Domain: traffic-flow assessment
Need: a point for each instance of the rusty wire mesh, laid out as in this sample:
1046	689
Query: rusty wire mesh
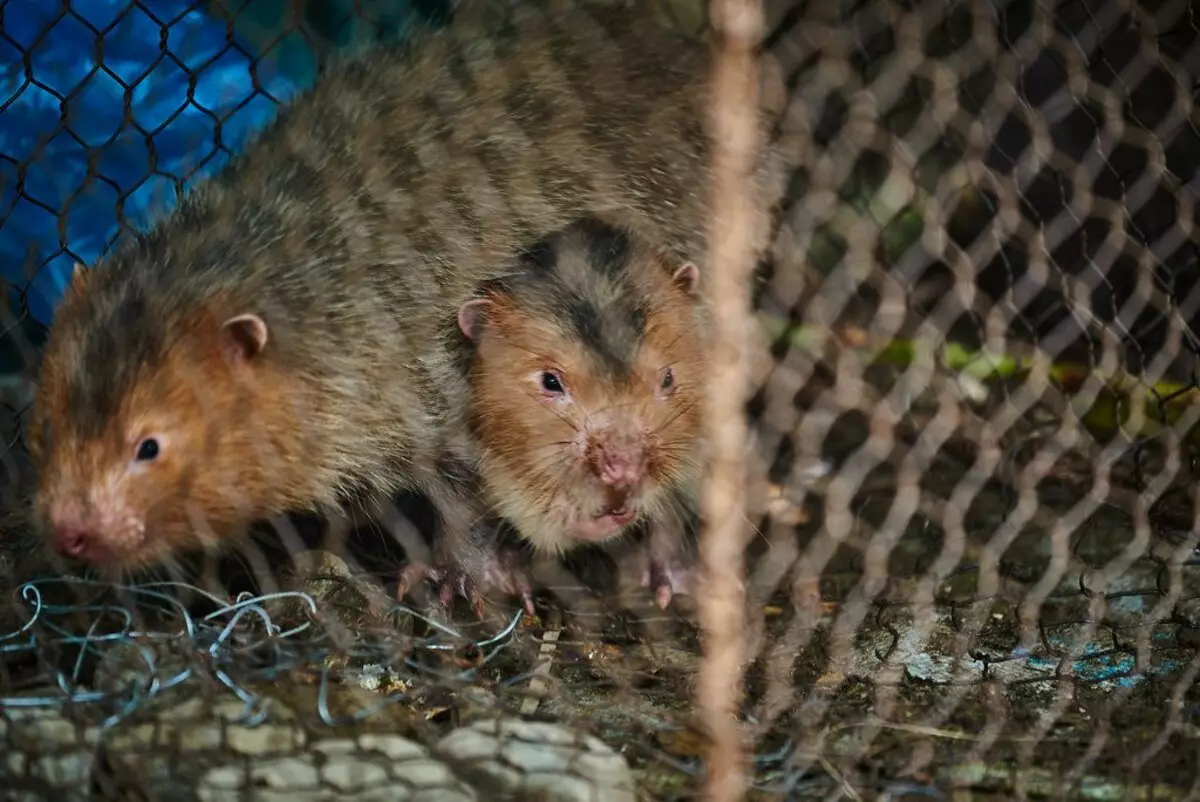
972	561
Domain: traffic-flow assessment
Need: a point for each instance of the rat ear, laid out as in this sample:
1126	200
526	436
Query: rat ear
687	278
243	337
472	316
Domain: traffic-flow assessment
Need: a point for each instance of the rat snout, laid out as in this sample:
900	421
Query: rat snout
71	537
77	533
617	456
615	462
71	540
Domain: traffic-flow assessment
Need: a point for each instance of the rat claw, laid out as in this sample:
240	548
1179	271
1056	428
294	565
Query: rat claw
524	591
412	575
469	590
455	583
667	577
446	593
447	584
501	571
663	596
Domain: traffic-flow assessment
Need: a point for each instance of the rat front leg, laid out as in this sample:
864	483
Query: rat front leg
471	560
671	568
669	575
480	565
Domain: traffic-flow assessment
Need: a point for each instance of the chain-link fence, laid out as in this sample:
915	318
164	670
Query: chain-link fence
969	521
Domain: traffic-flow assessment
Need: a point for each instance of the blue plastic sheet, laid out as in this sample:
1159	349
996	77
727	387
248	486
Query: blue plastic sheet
142	96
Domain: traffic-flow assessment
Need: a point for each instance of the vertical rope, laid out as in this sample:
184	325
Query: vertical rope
734	127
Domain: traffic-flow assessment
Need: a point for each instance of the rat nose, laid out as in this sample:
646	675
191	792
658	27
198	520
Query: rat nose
72	540
618	458
619	471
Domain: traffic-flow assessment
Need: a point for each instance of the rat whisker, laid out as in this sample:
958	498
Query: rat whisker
548	475
551	446
678	413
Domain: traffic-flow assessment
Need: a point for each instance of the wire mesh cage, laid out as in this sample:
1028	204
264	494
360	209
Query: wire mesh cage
943	255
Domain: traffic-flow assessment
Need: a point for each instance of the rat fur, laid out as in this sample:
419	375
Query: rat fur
280	341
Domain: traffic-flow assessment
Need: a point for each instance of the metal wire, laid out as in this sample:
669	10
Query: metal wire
971	509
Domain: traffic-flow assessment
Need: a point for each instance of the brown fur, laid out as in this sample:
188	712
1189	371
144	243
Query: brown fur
352	230
537	452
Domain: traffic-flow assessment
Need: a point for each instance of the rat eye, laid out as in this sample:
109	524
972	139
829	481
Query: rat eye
551	383
668	379
147	450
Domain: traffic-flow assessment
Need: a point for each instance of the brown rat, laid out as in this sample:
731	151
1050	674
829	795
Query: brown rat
586	372
281	340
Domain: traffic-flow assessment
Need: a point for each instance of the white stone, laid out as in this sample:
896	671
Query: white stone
205	794
594	744
222	778
47	728
289	795
291	773
201	736
33	796
424	774
529	757
558	788
284	795
190	710
460	794
539	759
234	711
263	740
228	710
137	739
600	768
64	771
538	731
353	775
335	747
496	775
393	746
396	793
466	745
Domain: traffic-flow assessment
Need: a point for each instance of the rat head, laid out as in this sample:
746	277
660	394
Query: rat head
138	430
586	379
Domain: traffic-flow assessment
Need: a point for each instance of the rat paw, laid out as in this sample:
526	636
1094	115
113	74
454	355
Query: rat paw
668	576
501	571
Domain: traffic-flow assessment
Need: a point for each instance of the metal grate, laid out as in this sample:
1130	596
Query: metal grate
970	520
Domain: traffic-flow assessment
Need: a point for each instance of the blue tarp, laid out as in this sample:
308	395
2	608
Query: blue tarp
63	115
85	89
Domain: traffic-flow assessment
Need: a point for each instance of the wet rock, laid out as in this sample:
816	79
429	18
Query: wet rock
520	759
